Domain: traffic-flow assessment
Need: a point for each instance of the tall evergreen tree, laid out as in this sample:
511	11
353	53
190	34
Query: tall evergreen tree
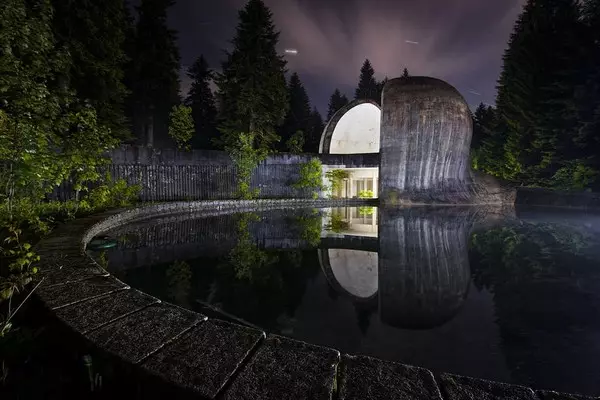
588	139
298	115
337	101
536	90
155	83
202	102
483	121
315	130
367	85
253	93
405	73
93	32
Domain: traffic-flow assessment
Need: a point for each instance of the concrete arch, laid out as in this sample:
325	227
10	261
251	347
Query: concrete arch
358	124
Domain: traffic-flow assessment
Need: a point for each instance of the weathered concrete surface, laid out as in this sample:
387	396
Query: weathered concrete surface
139	335
463	388
286	369
426	131
550	395
60	268
75	292
204	359
171	175
366	378
92	314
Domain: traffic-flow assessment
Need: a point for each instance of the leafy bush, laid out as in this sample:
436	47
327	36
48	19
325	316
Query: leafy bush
336	177
574	176
311	177
366	194
245	158
110	195
181	126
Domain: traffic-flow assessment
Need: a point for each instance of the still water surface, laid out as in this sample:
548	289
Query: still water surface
496	294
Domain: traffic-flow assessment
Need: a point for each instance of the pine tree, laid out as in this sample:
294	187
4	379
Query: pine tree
298	116
315	131
253	93
367	85
155	72
588	139
93	32
405	73
482	124
337	101
252	87
200	98
536	107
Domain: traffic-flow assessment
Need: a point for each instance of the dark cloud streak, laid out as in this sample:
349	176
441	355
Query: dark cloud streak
461	41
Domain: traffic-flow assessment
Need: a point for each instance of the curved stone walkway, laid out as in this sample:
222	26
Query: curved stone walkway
212	358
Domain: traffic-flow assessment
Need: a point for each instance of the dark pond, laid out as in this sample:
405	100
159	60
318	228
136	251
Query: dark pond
507	295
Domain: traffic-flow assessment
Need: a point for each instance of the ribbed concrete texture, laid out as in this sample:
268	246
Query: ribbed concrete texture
424	272
426	131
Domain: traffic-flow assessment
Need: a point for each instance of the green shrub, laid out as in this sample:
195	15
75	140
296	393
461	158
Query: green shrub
366	194
181	126
311	177
336	177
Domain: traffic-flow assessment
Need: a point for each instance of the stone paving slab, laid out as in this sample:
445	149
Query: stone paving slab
286	369
551	395
464	388
75	292
63	269
92	314
205	358
141	334
366	378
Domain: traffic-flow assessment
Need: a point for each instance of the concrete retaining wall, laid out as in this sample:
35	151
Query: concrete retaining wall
173	175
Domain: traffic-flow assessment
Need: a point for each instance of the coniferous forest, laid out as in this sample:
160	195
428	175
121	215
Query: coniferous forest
545	127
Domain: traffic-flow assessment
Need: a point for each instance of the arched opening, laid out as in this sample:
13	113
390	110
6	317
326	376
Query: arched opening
354	129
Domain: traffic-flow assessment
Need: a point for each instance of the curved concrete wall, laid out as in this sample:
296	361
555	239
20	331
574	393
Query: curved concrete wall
426	132
354	129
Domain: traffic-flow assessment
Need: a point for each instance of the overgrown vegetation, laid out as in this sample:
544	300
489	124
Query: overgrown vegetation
336	178
311	177
54	129
366	194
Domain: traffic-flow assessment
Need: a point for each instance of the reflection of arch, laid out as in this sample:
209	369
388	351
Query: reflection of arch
357	125
342	278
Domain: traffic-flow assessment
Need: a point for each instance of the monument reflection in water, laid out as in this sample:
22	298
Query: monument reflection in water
419	273
472	291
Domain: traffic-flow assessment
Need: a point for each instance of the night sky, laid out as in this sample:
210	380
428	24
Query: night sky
461	41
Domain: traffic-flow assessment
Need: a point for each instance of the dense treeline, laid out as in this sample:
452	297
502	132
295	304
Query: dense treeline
545	127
